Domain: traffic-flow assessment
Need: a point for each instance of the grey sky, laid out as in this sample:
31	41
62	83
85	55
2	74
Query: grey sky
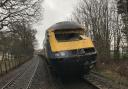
54	11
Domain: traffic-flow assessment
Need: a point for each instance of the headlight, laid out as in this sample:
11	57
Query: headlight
60	54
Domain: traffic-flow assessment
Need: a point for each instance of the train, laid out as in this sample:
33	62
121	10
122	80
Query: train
68	50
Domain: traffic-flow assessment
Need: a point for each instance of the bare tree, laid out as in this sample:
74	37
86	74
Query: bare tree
103	24
15	10
16	35
94	15
122	6
23	32
18	44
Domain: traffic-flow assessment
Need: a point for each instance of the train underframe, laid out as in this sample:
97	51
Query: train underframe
74	66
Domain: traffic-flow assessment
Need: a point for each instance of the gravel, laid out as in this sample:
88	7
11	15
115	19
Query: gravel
36	74
12	74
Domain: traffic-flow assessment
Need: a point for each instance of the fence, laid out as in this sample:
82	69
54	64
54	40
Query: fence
9	62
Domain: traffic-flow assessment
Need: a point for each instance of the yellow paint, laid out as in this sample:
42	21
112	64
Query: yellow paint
62	46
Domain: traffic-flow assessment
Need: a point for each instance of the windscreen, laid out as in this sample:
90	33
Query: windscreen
69	35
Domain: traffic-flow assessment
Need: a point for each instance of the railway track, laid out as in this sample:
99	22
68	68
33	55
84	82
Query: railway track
24	78
36	75
54	82
103	82
38	79
12	74
100	81
77	84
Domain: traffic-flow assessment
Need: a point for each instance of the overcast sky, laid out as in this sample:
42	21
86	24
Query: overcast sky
54	11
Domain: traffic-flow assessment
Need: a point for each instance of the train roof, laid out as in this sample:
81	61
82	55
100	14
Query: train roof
65	25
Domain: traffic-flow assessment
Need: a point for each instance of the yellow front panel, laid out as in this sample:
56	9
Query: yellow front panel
62	46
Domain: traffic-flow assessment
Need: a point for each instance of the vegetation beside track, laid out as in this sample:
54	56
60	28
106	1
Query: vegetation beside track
17	37
107	23
111	73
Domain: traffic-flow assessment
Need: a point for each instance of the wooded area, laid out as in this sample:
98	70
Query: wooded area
17	37
106	22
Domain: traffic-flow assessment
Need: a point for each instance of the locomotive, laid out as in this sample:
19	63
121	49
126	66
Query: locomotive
68	50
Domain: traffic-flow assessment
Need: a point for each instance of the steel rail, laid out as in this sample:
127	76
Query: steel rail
15	78
29	84
90	83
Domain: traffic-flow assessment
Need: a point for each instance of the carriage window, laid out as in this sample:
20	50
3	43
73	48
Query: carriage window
68	36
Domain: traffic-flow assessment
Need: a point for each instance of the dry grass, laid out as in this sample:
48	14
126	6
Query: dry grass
114	70
115	77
